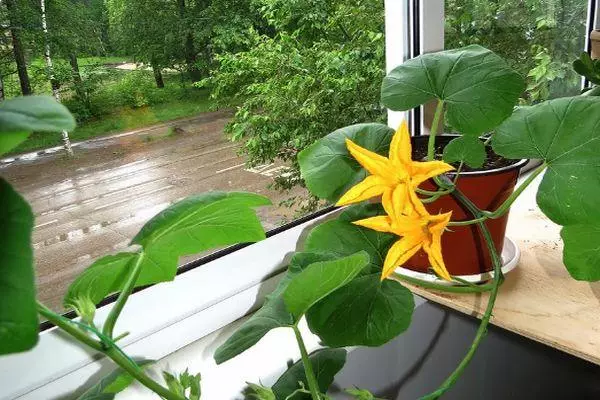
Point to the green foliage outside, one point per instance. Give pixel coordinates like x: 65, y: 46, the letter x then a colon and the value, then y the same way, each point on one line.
x: 317, y: 68
x: 120, y: 106
x: 538, y: 38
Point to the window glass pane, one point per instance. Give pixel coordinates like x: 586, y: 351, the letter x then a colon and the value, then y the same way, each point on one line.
x: 175, y: 98
x: 539, y: 38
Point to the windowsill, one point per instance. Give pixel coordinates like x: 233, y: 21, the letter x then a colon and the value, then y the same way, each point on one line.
x: 539, y: 299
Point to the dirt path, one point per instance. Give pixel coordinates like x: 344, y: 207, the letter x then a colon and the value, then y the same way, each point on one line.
x: 94, y: 204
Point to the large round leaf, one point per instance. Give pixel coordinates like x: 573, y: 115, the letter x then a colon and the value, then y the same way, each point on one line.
x: 196, y: 224
x: 326, y: 363
x: 565, y: 133
x: 319, y: 280
x: 365, y: 312
x: 273, y: 314
x: 478, y: 87
x: 18, y: 314
x: 105, y: 276
x: 581, y: 255
x: 342, y: 238
x: 328, y: 168
x: 34, y: 113
x: 467, y: 149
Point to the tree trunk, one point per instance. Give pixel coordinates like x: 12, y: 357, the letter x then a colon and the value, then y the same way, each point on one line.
x: 2, y: 96
x: 78, y: 82
x: 18, y: 49
x: 189, y: 49
x: 158, y: 75
x: 51, y: 77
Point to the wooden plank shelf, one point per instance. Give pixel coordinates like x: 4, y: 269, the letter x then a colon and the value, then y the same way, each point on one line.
x: 539, y: 299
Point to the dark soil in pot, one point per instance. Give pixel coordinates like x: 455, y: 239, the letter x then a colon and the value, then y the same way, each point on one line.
x: 464, y: 248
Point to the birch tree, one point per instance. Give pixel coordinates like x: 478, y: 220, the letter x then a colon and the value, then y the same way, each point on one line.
x: 51, y: 77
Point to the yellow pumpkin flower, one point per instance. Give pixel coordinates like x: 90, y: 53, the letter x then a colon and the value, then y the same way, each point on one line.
x: 419, y: 230
x: 393, y: 178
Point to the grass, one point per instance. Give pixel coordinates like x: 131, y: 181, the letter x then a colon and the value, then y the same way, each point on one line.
x: 125, y: 119
x: 122, y: 101
x: 103, y: 60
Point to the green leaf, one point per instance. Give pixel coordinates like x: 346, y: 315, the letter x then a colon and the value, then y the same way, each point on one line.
x: 18, y: 313
x: 10, y: 140
x: 196, y: 224
x: 342, y: 238
x: 320, y: 279
x: 581, y: 254
x: 191, y: 382
x: 478, y: 87
x: 105, y: 276
x: 365, y: 312
x: 326, y: 364
x: 34, y: 114
x: 258, y: 392
x: 565, y: 134
x: 173, y: 384
x: 384, y: 308
x: 587, y: 67
x: 113, y: 383
x: 273, y: 314
x: 469, y: 149
x: 361, y: 394
x: 328, y: 168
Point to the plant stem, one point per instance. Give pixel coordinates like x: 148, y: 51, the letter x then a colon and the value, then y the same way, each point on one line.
x: 460, y: 167
x: 114, y: 353
x: 467, y: 222
x: 308, y: 370
x: 504, y: 207
x: 481, y: 331
x: 67, y: 326
x: 430, y: 199
x: 444, y: 288
x: 113, y: 315
x: 139, y: 375
x: 433, y: 193
x: 439, y: 109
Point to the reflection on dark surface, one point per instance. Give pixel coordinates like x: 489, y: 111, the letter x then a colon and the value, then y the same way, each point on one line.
x: 506, y: 365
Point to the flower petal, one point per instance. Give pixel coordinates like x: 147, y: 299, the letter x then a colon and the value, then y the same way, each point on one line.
x: 434, y: 251
x: 380, y: 223
x: 394, y: 200
x: 421, y: 171
x: 371, y: 186
x: 399, y: 253
x: 373, y: 162
x: 400, y: 148
x: 438, y: 223
x: 414, y: 205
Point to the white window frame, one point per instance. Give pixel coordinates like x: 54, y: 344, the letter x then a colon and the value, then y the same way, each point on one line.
x: 167, y: 317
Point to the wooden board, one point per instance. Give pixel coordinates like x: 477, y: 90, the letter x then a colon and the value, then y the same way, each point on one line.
x: 539, y: 299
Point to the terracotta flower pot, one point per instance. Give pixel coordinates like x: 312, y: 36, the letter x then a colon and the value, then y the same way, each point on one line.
x: 464, y: 248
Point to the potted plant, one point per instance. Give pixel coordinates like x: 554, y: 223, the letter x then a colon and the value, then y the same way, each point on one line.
x: 426, y: 202
x: 410, y: 202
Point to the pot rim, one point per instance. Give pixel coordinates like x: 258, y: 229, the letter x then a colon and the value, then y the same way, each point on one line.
x: 518, y: 164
